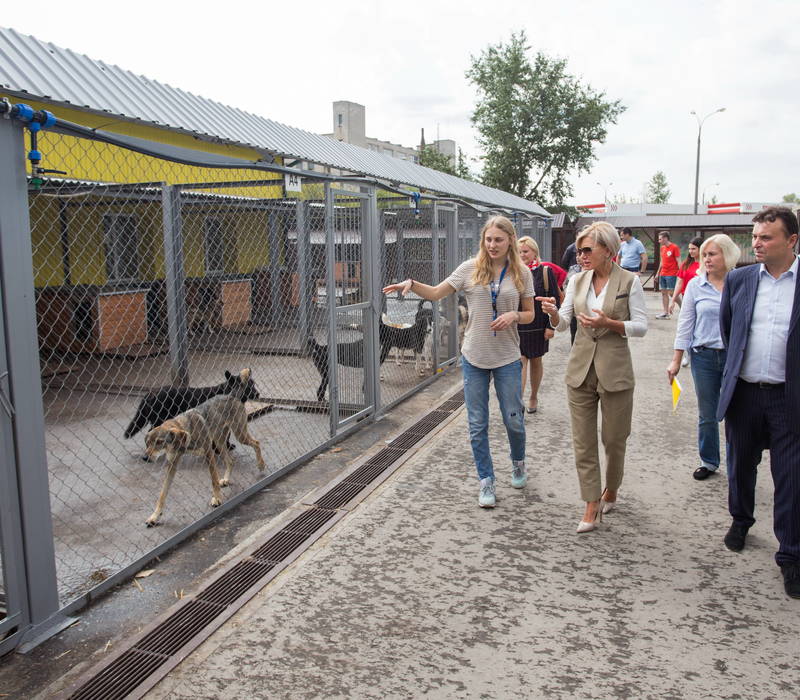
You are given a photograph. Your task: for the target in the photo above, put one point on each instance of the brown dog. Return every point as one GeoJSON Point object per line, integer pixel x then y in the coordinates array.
{"type": "Point", "coordinates": [198, 430]}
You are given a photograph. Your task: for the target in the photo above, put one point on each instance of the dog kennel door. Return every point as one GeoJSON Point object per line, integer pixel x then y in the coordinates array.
{"type": "Point", "coordinates": [445, 260]}
{"type": "Point", "coordinates": [351, 222]}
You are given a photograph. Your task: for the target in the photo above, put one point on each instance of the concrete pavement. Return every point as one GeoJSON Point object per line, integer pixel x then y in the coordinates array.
{"type": "Point", "coordinates": [419, 592]}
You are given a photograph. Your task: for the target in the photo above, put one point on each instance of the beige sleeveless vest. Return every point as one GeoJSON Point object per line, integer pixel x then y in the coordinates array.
{"type": "Point", "coordinates": [606, 349]}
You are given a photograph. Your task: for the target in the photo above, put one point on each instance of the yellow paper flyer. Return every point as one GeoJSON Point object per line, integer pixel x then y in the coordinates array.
{"type": "Point", "coordinates": [676, 393]}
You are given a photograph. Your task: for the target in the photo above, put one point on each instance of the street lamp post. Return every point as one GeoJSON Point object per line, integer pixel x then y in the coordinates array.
{"type": "Point", "coordinates": [697, 165]}
{"type": "Point", "coordinates": [605, 190]}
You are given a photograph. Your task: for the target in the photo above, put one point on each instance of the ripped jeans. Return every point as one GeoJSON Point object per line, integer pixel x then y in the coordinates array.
{"type": "Point", "coordinates": [508, 387]}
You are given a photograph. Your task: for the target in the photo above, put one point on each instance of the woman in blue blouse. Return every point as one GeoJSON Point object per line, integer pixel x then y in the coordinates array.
{"type": "Point", "coordinates": [698, 332]}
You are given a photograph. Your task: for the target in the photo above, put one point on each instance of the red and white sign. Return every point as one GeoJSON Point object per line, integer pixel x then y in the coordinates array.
{"type": "Point", "coordinates": [725, 208]}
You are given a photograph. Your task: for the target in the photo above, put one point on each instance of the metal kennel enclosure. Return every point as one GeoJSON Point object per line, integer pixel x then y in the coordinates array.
{"type": "Point", "coordinates": [133, 269]}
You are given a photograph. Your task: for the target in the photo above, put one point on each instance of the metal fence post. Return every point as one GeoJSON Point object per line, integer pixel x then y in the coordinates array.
{"type": "Point", "coordinates": [304, 278]}
{"type": "Point", "coordinates": [330, 295]}
{"type": "Point", "coordinates": [370, 270]}
{"type": "Point", "coordinates": [435, 280]}
{"type": "Point", "coordinates": [25, 387]}
{"type": "Point", "coordinates": [175, 278]}
{"type": "Point", "coordinates": [400, 247]}
{"type": "Point", "coordinates": [273, 266]}
{"type": "Point", "coordinates": [452, 261]}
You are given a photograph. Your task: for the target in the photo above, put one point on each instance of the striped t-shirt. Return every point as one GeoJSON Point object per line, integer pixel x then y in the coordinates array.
{"type": "Point", "coordinates": [482, 347]}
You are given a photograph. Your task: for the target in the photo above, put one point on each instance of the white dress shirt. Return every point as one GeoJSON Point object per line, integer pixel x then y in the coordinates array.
{"type": "Point", "coordinates": [635, 328]}
{"type": "Point", "coordinates": [765, 354]}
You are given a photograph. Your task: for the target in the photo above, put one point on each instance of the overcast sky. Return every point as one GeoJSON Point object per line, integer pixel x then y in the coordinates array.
{"type": "Point", "coordinates": [405, 61]}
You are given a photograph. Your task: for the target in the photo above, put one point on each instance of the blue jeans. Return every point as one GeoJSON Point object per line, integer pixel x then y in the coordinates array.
{"type": "Point", "coordinates": [508, 387]}
{"type": "Point", "coordinates": [707, 366]}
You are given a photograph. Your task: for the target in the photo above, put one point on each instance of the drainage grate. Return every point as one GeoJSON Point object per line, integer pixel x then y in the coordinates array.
{"type": "Point", "coordinates": [280, 546]}
{"type": "Point", "coordinates": [458, 396]}
{"type": "Point", "coordinates": [120, 678]}
{"type": "Point", "coordinates": [429, 422]}
{"type": "Point", "coordinates": [235, 582]}
{"type": "Point", "coordinates": [149, 659]}
{"type": "Point", "coordinates": [339, 495]}
{"type": "Point", "coordinates": [179, 629]}
{"type": "Point", "coordinates": [310, 521]}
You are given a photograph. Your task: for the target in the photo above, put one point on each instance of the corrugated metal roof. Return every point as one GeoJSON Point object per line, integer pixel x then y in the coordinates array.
{"type": "Point", "coordinates": [699, 221]}
{"type": "Point", "coordinates": [36, 69]}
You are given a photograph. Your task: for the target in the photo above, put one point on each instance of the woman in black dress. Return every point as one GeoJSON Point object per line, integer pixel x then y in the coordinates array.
{"type": "Point", "coordinates": [534, 337]}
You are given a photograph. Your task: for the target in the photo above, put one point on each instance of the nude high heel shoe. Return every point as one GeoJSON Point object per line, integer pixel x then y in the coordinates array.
{"type": "Point", "coordinates": [607, 506]}
{"type": "Point", "coordinates": [589, 525]}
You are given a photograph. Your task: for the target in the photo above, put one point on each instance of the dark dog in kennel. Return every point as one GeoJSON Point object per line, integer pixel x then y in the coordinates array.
{"type": "Point", "coordinates": [169, 401]}
{"type": "Point", "coordinates": [351, 354]}
{"type": "Point", "coordinates": [347, 354]}
{"type": "Point", "coordinates": [407, 337]}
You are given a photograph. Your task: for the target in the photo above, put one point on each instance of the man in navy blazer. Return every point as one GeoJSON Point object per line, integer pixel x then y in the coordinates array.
{"type": "Point", "coordinates": [760, 393]}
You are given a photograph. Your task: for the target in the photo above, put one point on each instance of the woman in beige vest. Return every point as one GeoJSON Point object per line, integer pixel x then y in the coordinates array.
{"type": "Point", "coordinates": [609, 305]}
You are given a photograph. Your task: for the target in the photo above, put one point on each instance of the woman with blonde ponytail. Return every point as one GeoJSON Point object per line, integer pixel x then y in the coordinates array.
{"type": "Point", "coordinates": [496, 286]}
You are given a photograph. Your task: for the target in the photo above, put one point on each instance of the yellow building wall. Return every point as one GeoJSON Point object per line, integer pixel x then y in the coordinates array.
{"type": "Point", "coordinates": [48, 267]}
{"type": "Point", "coordinates": [95, 162]}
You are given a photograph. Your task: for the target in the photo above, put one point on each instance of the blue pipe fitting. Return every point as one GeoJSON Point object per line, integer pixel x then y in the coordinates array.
{"type": "Point", "coordinates": [49, 119]}
{"type": "Point", "coordinates": [23, 112]}
{"type": "Point", "coordinates": [416, 196]}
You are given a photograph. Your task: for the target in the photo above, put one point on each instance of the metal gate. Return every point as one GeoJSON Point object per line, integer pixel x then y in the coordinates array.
{"type": "Point", "coordinates": [350, 293]}
{"type": "Point", "coordinates": [445, 260]}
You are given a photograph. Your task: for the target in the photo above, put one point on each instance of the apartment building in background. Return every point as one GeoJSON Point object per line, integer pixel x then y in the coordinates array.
{"type": "Point", "coordinates": [349, 125]}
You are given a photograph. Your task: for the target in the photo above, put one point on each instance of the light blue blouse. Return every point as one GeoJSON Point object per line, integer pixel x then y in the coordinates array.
{"type": "Point", "coordinates": [698, 323]}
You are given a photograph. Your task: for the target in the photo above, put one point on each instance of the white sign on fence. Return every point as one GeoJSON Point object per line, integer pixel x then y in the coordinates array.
{"type": "Point", "coordinates": [294, 183]}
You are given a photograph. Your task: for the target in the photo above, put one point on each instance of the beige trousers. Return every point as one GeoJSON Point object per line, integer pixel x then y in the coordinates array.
{"type": "Point", "coordinates": [616, 411]}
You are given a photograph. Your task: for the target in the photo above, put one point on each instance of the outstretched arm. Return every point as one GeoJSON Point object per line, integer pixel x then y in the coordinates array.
{"type": "Point", "coordinates": [426, 291]}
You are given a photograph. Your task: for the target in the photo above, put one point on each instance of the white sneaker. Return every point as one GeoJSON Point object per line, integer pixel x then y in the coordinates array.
{"type": "Point", "coordinates": [685, 360]}
{"type": "Point", "coordinates": [663, 316]}
{"type": "Point", "coordinates": [486, 497]}
{"type": "Point", "coordinates": [519, 476]}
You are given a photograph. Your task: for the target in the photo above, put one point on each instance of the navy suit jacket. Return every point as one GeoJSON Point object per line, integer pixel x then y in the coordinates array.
{"type": "Point", "coordinates": [735, 313]}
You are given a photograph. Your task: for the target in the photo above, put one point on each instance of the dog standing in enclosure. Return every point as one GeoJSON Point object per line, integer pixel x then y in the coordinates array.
{"type": "Point", "coordinates": [199, 430]}
{"type": "Point", "coordinates": [168, 401]}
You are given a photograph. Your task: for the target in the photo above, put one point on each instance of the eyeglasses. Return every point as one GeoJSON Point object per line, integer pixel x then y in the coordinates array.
{"type": "Point", "coordinates": [584, 251]}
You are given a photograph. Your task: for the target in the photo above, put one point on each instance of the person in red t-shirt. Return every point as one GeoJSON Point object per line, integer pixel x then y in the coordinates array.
{"type": "Point", "coordinates": [667, 272]}
{"type": "Point", "coordinates": [687, 271]}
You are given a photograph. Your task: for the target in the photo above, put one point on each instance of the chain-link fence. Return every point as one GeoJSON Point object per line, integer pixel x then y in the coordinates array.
{"type": "Point", "coordinates": [142, 285]}
{"type": "Point", "coordinates": [158, 285]}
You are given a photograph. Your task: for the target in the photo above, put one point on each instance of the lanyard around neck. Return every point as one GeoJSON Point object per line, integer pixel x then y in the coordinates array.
{"type": "Point", "coordinates": [495, 291]}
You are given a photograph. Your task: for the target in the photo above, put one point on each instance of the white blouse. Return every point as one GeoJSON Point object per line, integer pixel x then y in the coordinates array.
{"type": "Point", "coordinates": [635, 328]}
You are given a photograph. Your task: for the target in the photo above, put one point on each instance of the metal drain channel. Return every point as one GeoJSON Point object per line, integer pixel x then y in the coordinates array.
{"type": "Point", "coordinates": [135, 669]}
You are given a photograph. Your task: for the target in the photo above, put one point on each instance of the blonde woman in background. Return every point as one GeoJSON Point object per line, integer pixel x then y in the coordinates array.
{"type": "Point", "coordinates": [534, 337]}
{"type": "Point", "coordinates": [499, 293]}
{"type": "Point", "coordinates": [699, 333]}
{"type": "Point", "coordinates": [610, 307]}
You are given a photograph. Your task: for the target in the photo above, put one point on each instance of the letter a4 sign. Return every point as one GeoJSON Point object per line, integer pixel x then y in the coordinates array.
{"type": "Point", "coordinates": [294, 183]}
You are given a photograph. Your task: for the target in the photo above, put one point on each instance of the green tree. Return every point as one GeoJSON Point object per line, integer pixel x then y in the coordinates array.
{"type": "Point", "coordinates": [658, 191]}
{"type": "Point", "coordinates": [537, 124]}
{"type": "Point", "coordinates": [791, 198]}
{"type": "Point", "coordinates": [462, 167]}
{"type": "Point", "coordinates": [431, 157]}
